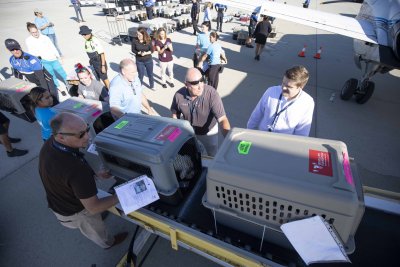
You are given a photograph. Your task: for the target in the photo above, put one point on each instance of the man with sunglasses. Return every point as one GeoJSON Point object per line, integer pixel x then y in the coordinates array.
{"type": "Point", "coordinates": [201, 105]}
{"type": "Point", "coordinates": [126, 94]}
{"type": "Point", "coordinates": [285, 108]}
{"type": "Point", "coordinates": [69, 181]}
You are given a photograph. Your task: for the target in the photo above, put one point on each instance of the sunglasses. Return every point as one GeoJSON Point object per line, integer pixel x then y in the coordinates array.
{"type": "Point", "coordinates": [195, 82]}
{"type": "Point", "coordinates": [80, 135]}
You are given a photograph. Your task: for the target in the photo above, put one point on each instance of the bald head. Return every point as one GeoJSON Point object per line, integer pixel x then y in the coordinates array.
{"type": "Point", "coordinates": [65, 120]}
{"type": "Point", "coordinates": [67, 128]}
{"type": "Point", "coordinates": [193, 74]}
{"type": "Point", "coordinates": [126, 62]}
{"type": "Point", "coordinates": [128, 69]}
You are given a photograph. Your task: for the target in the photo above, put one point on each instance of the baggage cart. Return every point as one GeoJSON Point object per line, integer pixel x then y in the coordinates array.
{"type": "Point", "coordinates": [117, 28]}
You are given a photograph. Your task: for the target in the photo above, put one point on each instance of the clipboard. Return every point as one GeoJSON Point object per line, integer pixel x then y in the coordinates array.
{"type": "Point", "coordinates": [315, 240]}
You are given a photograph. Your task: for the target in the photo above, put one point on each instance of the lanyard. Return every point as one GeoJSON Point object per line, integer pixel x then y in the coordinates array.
{"type": "Point", "coordinates": [271, 127]}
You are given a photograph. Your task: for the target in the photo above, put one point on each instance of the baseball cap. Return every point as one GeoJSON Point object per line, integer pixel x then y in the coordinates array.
{"type": "Point", "coordinates": [11, 44]}
{"type": "Point", "coordinates": [83, 30]}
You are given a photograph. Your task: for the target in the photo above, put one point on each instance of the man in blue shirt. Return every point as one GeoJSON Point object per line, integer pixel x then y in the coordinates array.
{"type": "Point", "coordinates": [29, 67]}
{"type": "Point", "coordinates": [220, 8]}
{"type": "Point", "coordinates": [149, 4]}
{"type": "Point", "coordinates": [126, 91]}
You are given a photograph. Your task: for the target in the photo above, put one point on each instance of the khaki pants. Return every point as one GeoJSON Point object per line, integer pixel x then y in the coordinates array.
{"type": "Point", "coordinates": [164, 67]}
{"type": "Point", "coordinates": [91, 226]}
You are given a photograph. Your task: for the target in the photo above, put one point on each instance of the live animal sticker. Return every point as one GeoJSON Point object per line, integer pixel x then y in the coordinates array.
{"type": "Point", "coordinates": [320, 162]}
{"type": "Point", "coordinates": [244, 147]}
{"type": "Point", "coordinates": [168, 133]}
{"type": "Point", "coordinates": [347, 169]}
{"type": "Point", "coordinates": [121, 125]}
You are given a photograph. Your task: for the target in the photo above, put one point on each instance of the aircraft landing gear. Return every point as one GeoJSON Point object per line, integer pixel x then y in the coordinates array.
{"type": "Point", "coordinates": [349, 88]}
{"type": "Point", "coordinates": [362, 92]}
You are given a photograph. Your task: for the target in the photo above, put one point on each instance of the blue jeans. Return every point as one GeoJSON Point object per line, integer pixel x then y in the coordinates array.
{"type": "Point", "coordinates": [55, 67]}
{"type": "Point", "coordinates": [148, 66]}
{"type": "Point", "coordinates": [53, 39]}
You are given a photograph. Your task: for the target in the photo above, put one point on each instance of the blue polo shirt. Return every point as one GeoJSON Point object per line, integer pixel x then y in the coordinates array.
{"type": "Point", "coordinates": [203, 41]}
{"type": "Point", "coordinates": [126, 96]}
{"type": "Point", "coordinates": [214, 51]}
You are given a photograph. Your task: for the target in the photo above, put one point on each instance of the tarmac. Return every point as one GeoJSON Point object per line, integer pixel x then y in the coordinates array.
{"type": "Point", "coordinates": [30, 234]}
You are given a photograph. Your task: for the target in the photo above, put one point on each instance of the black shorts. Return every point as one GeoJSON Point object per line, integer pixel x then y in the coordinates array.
{"type": "Point", "coordinates": [3, 119]}
{"type": "Point", "coordinates": [261, 39]}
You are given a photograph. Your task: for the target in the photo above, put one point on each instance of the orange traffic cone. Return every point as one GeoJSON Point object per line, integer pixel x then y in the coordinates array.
{"type": "Point", "coordinates": [303, 52]}
{"type": "Point", "coordinates": [318, 54]}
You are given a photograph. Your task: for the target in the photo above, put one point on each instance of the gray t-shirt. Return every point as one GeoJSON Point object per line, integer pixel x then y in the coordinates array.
{"type": "Point", "coordinates": [93, 91]}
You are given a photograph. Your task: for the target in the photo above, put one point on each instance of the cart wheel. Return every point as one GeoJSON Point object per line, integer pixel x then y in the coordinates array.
{"type": "Point", "coordinates": [126, 39]}
{"type": "Point", "coordinates": [348, 89]}
{"type": "Point", "coordinates": [115, 13]}
{"type": "Point", "coordinates": [365, 93]}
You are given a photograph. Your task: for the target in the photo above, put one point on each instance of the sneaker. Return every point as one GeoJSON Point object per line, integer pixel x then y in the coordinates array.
{"type": "Point", "coordinates": [118, 239]}
{"type": "Point", "coordinates": [14, 140]}
{"type": "Point", "coordinates": [17, 152]}
{"type": "Point", "coordinates": [164, 85]}
{"type": "Point", "coordinates": [258, 58]}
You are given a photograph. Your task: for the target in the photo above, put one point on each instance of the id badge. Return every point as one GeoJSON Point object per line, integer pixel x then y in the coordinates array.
{"type": "Point", "coordinates": [164, 55]}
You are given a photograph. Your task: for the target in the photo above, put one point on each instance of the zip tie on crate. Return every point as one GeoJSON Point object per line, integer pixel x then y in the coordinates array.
{"type": "Point", "coordinates": [262, 239]}
{"type": "Point", "coordinates": [215, 221]}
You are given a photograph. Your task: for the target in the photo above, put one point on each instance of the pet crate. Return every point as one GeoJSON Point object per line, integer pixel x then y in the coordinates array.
{"type": "Point", "coordinates": [164, 149]}
{"type": "Point", "coordinates": [14, 98]}
{"type": "Point", "coordinates": [260, 180]}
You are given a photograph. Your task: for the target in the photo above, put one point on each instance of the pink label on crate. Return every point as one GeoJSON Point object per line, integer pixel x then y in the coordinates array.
{"type": "Point", "coordinates": [319, 162]}
{"type": "Point", "coordinates": [21, 89]}
{"type": "Point", "coordinates": [97, 113]}
{"type": "Point", "coordinates": [177, 132]}
{"type": "Point", "coordinates": [92, 106]}
{"type": "Point", "coordinates": [347, 169]}
{"type": "Point", "coordinates": [170, 132]}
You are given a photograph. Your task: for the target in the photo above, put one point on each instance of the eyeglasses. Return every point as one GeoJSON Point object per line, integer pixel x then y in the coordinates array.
{"type": "Point", "coordinates": [80, 135]}
{"type": "Point", "coordinates": [194, 82]}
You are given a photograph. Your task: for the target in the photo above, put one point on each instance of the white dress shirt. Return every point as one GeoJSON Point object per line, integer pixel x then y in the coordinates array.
{"type": "Point", "coordinates": [295, 119]}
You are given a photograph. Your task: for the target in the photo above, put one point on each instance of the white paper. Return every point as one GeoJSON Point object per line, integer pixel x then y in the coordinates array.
{"type": "Point", "coordinates": [92, 149]}
{"type": "Point", "coordinates": [136, 193]}
{"type": "Point", "coordinates": [314, 240]}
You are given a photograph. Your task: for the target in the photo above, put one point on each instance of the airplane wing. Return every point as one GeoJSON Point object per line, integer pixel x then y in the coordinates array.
{"type": "Point", "coordinates": [351, 27]}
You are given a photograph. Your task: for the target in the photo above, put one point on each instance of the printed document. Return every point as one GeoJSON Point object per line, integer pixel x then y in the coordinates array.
{"type": "Point", "coordinates": [315, 240]}
{"type": "Point", "coordinates": [136, 193]}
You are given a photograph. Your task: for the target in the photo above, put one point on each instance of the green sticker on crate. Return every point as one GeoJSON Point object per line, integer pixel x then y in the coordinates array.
{"type": "Point", "coordinates": [244, 147]}
{"type": "Point", "coordinates": [78, 105]}
{"type": "Point", "coordinates": [121, 125]}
